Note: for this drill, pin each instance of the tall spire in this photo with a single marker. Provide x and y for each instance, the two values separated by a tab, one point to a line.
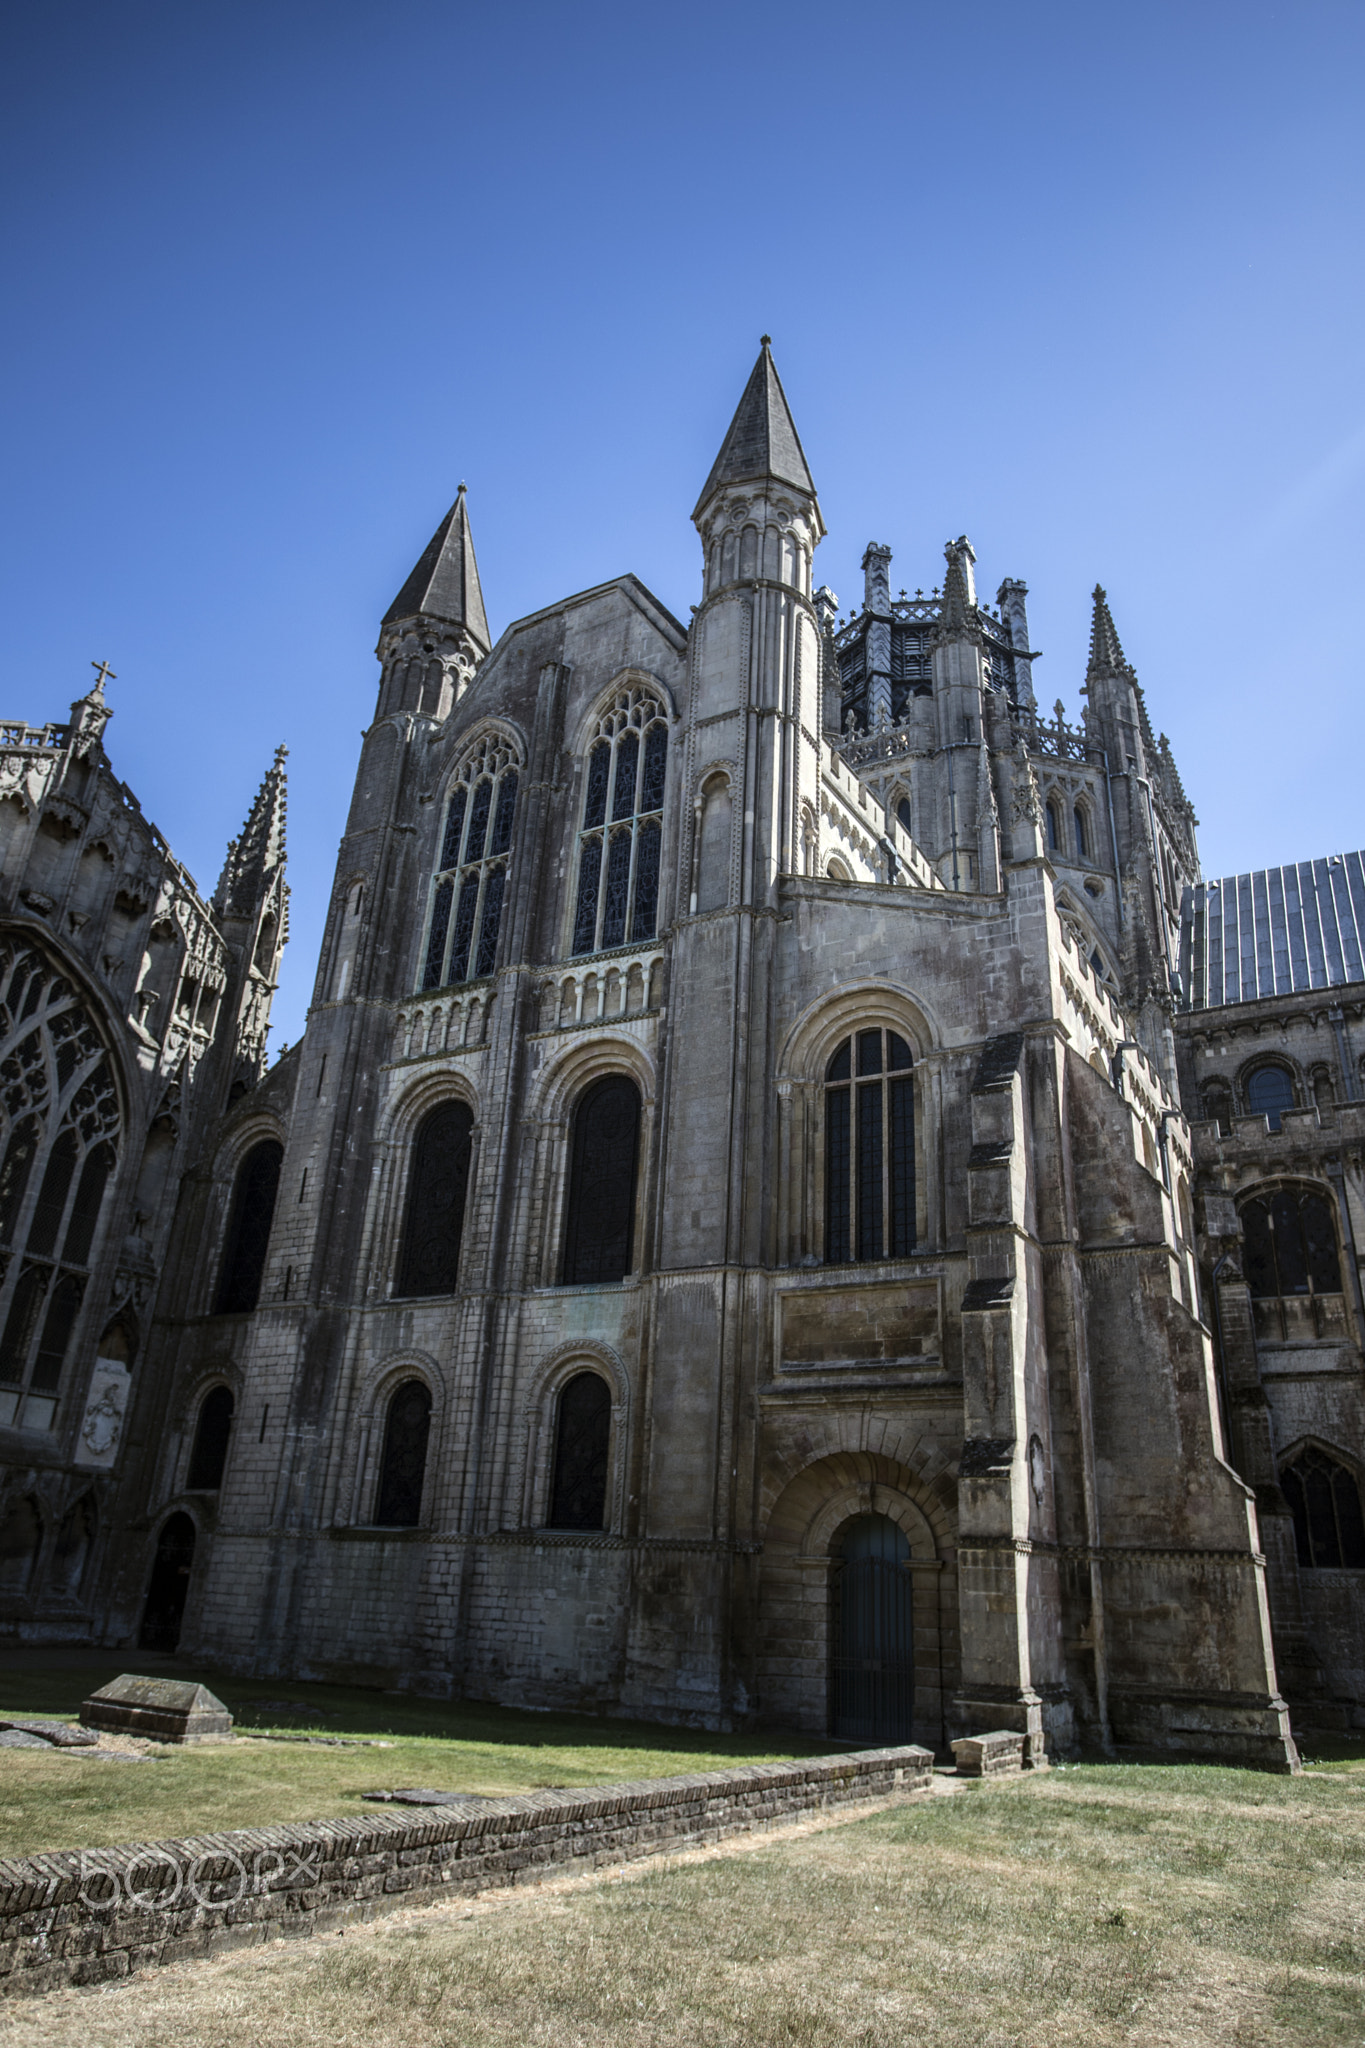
1106	655
445	583
762	444
258	849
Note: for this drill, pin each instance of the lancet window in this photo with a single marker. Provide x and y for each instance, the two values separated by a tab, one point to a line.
248	1232
209	1456
470	884
403	1464
869	1149
434	1224
620	841
578	1494
600	1226
59	1132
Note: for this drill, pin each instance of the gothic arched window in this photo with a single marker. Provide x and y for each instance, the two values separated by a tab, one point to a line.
1082	836
1290	1244
621	838
248	1233
600	1227
903	813
436	1201
59	1126
1269	1093
1324	1500
1054	829
209	1455
398	1504
470	883
869	1149
578	1495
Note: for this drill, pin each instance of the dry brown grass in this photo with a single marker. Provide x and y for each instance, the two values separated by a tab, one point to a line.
1105	1905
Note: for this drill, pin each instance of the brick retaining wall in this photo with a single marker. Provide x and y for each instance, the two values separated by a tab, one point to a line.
85	1916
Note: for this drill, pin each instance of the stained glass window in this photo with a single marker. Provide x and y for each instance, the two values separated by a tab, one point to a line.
209	1455
248	1233
869	1149
434	1224
617	895
1324	1499
58	1098
402	1470
599	1234
471	882
578	1496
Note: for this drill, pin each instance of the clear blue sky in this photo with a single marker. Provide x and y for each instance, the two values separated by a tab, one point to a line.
1084	282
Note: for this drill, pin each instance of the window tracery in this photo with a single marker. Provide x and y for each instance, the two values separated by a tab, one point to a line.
620	839
869	1149
470	885
1324	1499
59	1130
434	1224
1290	1244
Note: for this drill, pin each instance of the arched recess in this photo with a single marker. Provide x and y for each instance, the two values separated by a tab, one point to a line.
802	1079
542	1410
714	833
71	1550
552	1115
1270	1087
800	1561
168	1584
375	1391
250	1216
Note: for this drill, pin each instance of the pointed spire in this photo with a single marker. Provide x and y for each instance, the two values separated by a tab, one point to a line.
1106	655
445	583
957	612
762	442
258	850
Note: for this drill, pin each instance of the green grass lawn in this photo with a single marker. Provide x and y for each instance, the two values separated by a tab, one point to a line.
1118	1906
57	1801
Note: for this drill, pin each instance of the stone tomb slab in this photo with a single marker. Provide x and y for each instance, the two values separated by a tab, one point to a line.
164	1709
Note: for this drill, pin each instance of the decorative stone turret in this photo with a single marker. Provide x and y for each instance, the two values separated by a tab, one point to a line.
435	633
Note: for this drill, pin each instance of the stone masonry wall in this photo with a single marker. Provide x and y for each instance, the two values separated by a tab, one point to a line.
89	1916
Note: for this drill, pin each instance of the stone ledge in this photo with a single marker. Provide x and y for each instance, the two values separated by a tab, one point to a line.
85	1917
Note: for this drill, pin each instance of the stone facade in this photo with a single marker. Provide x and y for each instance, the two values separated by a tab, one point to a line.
936	1331
133	1012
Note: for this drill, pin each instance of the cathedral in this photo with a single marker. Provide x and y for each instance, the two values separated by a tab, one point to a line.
797	1204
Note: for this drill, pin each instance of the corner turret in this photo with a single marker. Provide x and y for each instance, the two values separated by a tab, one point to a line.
435	633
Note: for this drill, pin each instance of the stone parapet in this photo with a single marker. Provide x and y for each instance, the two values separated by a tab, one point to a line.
91	1916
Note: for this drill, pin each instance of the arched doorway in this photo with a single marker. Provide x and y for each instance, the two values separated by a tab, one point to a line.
168	1586
872	1663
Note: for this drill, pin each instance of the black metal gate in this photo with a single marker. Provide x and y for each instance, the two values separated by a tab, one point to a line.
872	1669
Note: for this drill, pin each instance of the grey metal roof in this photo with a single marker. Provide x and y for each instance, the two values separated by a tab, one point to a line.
1273	932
